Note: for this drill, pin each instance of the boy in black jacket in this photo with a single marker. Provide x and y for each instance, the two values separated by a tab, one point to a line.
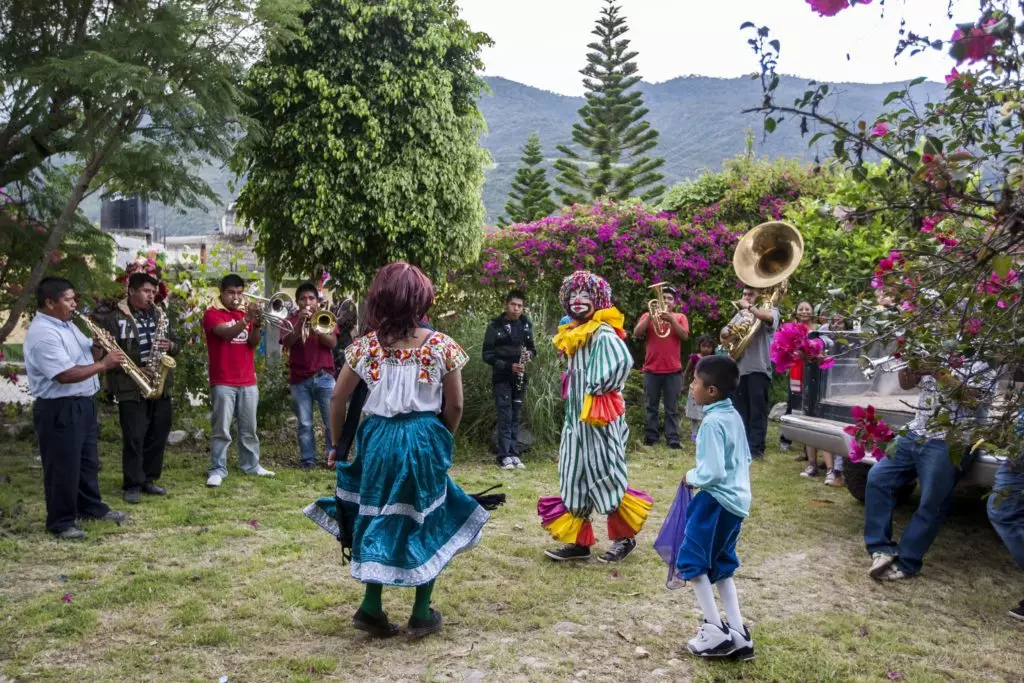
508	338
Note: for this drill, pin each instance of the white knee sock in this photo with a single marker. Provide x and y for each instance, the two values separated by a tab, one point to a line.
706	598
731	603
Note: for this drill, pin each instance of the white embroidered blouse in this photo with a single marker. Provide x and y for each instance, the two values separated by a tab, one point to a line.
404	380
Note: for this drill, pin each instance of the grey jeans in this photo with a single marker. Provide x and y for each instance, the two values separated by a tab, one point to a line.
234	403
657	387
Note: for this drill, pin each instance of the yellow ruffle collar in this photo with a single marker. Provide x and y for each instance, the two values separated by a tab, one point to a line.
572	335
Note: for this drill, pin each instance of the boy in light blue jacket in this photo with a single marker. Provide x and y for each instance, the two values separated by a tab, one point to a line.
714	516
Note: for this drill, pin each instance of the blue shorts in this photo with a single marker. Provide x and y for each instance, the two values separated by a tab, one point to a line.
710	543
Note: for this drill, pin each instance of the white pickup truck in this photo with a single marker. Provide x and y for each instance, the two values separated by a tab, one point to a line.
828	396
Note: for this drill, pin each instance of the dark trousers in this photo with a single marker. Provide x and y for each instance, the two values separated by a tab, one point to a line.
663	389
68	435
794	401
144	429
509	405
752	404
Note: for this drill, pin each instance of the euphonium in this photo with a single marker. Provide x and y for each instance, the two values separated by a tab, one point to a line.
275	310
656	307
764	259
109	344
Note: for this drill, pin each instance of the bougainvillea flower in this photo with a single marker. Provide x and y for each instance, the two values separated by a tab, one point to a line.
881	129
977	44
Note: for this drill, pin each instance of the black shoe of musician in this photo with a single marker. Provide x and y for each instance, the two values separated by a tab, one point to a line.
152	489
570	551
115	516
133	495
674	445
650	442
619	551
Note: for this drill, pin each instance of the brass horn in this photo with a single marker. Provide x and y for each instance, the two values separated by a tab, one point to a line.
764	259
656	307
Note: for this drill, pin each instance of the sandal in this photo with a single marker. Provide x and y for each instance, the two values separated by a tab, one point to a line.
377	626
418	628
810	471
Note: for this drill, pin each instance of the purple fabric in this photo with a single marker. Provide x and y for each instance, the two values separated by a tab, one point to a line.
670	537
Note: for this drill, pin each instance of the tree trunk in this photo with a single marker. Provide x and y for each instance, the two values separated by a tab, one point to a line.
53	242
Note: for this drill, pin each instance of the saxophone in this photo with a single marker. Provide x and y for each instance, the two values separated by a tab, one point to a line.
109	344
160	364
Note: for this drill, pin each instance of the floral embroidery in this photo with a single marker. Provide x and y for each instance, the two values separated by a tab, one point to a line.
437	357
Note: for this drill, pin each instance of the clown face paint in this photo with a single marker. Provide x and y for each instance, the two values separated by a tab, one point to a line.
581	305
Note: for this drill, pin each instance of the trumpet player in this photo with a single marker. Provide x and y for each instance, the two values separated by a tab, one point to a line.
663	366
145	422
233	331
755	370
310	371
507	343
62	371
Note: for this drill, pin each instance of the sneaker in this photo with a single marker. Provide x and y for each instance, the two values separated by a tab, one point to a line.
115	516
71	534
569	551
152	489
810	471
743	644
711	641
418	628
894	573
214	480
675	445
133	495
834	478
518	463
263	472
507	463
1018	611
880	563
784	446
619	550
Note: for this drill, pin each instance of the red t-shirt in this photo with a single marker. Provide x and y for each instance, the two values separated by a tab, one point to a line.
232	362
306	360
664	355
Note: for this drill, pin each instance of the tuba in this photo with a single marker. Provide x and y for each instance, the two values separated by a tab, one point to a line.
655	307
764	258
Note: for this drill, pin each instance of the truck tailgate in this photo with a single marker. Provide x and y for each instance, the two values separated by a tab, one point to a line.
816	432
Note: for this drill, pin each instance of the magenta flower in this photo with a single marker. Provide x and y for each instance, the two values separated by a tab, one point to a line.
66	599
978	43
869	433
973	326
880	130
952	76
791	346
828	8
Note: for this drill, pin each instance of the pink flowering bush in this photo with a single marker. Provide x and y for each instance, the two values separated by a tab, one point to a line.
791	346
870	434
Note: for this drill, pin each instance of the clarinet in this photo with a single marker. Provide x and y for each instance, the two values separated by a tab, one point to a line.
520	381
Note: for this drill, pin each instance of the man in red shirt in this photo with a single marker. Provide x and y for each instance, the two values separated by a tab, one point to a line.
232	335
310	372
663	368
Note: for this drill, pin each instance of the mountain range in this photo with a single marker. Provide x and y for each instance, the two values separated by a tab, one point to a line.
700	121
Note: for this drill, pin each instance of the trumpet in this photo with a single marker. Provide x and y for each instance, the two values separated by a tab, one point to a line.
869	366
275	311
655	307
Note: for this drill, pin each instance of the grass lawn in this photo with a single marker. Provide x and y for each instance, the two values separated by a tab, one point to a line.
237	582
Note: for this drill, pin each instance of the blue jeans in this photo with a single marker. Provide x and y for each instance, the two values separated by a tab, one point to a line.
316	389
1006	510
928	462
234	403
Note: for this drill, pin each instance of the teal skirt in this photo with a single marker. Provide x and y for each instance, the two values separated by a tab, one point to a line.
405	516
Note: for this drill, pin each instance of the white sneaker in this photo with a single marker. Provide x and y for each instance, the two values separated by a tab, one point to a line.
214	480
263	472
711	641
507	463
880	563
518	463
742	644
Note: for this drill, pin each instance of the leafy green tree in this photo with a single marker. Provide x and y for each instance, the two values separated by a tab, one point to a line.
530	197
126	96
366	149
613	133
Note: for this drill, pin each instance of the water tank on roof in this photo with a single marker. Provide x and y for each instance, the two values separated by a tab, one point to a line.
119	213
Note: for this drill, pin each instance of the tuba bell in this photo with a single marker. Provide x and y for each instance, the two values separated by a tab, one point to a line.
655	307
765	257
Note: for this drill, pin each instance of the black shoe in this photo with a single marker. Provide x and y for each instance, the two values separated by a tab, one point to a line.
569	551
307	465
418	628
675	445
757	455
619	550
133	495
377	626
115	516
1018	611
72	533
153	490
650	442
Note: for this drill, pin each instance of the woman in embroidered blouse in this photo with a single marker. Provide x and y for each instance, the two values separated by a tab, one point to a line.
395	506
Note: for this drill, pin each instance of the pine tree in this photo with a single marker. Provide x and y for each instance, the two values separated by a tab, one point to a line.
530	198
613	134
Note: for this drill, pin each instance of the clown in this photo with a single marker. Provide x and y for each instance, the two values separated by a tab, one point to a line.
592	455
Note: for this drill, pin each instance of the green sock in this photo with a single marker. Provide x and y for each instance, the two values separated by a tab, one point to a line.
371	601
421	607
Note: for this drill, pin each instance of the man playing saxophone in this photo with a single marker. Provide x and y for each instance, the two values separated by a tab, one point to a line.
141	330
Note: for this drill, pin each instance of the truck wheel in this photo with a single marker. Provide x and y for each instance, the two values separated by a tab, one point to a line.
856	476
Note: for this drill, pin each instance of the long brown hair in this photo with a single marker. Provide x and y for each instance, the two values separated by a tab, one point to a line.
398	299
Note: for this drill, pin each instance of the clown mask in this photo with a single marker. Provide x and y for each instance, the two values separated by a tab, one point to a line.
581	305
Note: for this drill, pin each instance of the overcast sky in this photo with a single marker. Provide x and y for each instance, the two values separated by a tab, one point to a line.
543	42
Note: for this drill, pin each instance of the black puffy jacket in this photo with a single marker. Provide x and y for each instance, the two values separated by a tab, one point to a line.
501	347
